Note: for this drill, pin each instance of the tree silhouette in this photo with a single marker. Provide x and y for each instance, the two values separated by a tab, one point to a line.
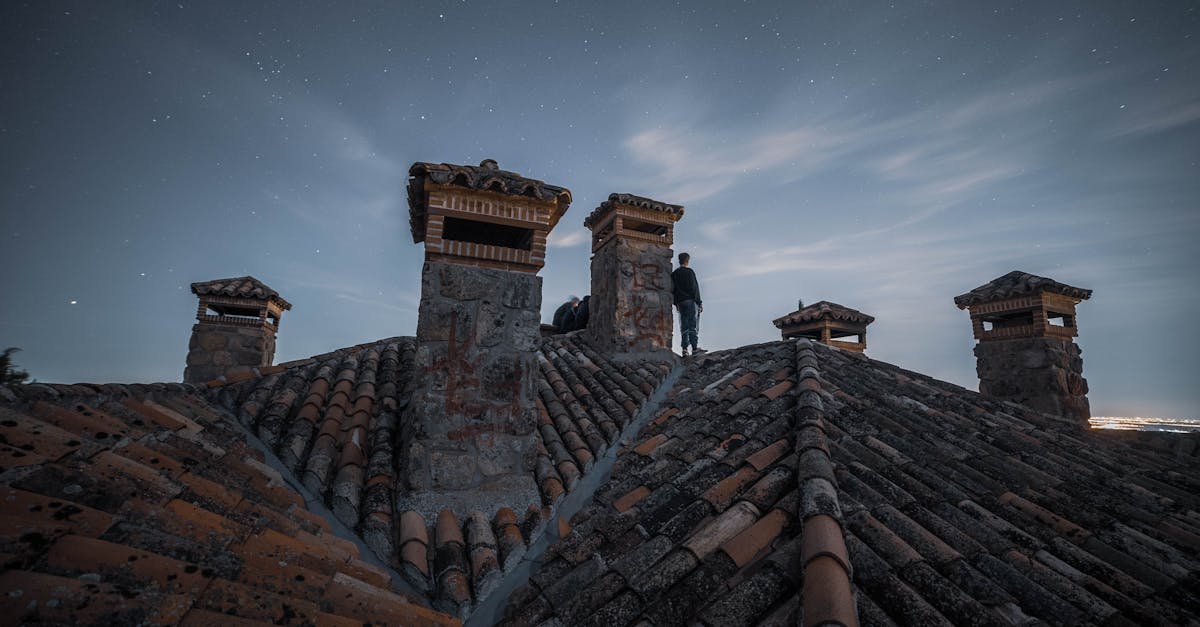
9	374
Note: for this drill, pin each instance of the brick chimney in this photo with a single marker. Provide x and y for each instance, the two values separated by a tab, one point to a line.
236	323
1025	326
630	308
827	322
469	432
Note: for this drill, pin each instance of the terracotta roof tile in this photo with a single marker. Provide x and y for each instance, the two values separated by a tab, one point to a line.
49	599
631	498
824	310
955	508
828	599
175	506
1017	283
743	547
239	287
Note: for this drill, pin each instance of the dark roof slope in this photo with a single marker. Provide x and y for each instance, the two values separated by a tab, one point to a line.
1017	283
955	502
946	507
824	310
126	505
239	287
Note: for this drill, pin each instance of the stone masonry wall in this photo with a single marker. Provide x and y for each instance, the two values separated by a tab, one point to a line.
216	350
630	309
470	424
1042	373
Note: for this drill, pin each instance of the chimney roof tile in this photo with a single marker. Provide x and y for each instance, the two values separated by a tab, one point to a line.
1017	283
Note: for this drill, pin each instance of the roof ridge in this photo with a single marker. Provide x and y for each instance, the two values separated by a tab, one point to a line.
339	353
828	596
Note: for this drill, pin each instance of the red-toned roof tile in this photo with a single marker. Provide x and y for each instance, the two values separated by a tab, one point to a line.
88	422
647	447
777	390
350	597
722	528
723	493
36	436
743	547
631	498
210	494
74	553
206	618
32	597
769	455
828	598
238	599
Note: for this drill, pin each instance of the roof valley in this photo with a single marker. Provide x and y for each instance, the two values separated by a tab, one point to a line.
492	610
316	505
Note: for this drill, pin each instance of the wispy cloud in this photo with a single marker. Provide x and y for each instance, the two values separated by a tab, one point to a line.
561	238
687	165
1155	120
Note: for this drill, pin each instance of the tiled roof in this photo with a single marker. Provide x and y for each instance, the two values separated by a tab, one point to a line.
779	482
487	176
774	472
333	419
1017	283
239	287
703	494
955	502
641	202
824	310
144	504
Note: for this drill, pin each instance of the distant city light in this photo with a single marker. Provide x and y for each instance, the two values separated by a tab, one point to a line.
1138	423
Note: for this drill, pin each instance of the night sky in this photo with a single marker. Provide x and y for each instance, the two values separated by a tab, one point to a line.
883	156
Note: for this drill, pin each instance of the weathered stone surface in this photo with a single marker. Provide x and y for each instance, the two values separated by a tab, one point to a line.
471	420
631	296
217	350
1043	373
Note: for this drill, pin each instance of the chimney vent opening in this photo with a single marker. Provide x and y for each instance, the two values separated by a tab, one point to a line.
231	311
631	224
1060	319
487	233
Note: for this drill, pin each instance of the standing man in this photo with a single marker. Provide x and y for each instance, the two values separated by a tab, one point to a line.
687	298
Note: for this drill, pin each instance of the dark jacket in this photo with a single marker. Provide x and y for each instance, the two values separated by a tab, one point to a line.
684	285
582	314
564	318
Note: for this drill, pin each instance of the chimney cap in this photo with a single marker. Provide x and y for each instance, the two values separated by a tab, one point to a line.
246	287
824	310
1017	283
487	176
673	212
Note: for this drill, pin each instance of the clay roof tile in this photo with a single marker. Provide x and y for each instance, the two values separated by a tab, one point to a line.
1017	283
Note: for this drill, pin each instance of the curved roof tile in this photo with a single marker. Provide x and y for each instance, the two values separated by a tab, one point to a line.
824	310
896	498
641	202
1017	283
239	287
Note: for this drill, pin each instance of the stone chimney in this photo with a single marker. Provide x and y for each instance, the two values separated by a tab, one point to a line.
1025	326
236	323
827	322
469	432
630	308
